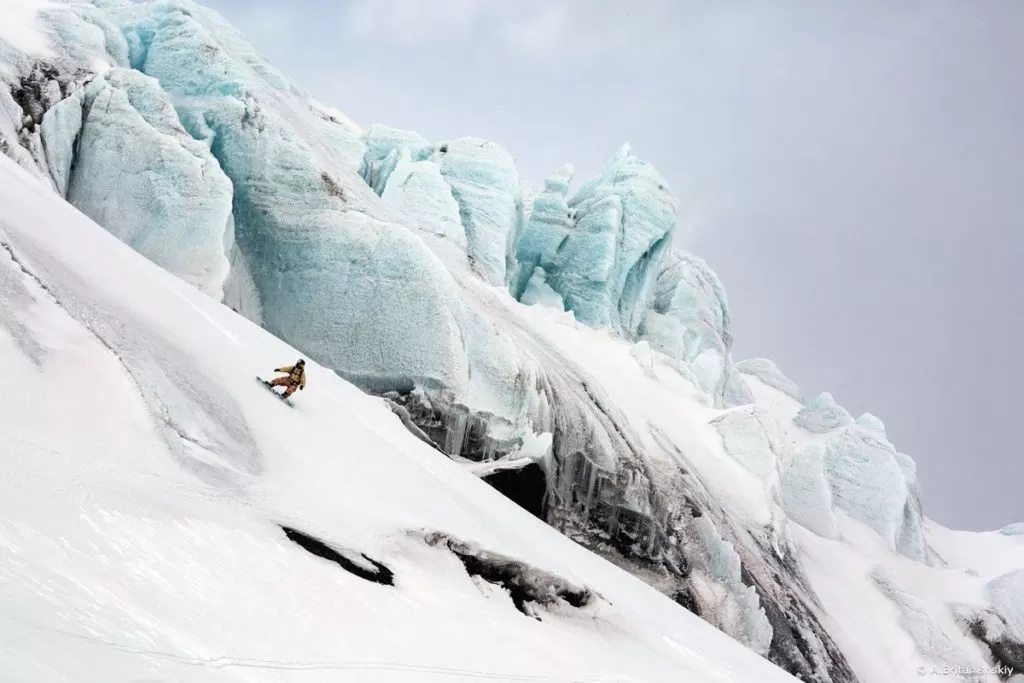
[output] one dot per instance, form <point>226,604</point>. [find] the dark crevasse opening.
<point>527,487</point>
<point>375,572</point>
<point>452,429</point>
<point>530,588</point>
<point>1007,653</point>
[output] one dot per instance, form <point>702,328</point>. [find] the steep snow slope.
<point>557,344</point>
<point>145,473</point>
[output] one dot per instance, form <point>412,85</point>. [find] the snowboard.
<point>272,390</point>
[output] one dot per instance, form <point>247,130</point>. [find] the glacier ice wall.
<point>172,204</point>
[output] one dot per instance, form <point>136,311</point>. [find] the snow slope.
<point>145,473</point>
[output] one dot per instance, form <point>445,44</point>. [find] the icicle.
<point>455,436</point>
<point>591,487</point>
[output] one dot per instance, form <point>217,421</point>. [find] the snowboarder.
<point>294,379</point>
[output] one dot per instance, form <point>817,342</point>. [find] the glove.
<point>302,388</point>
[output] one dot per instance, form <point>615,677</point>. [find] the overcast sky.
<point>854,172</point>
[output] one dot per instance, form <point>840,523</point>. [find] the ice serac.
<point>606,266</point>
<point>823,415</point>
<point>911,541</point>
<point>867,481</point>
<point>417,189</point>
<point>485,182</point>
<point>334,272</point>
<point>872,424</point>
<point>384,145</point>
<point>172,204</point>
<point>768,372</point>
<point>548,223</point>
<point>806,493</point>
<point>751,437</point>
<point>688,319</point>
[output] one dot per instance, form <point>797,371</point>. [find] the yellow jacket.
<point>295,374</point>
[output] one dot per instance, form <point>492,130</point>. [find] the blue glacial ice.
<point>310,230</point>
<point>867,481</point>
<point>538,291</point>
<point>688,319</point>
<point>823,415</point>
<point>485,182</point>
<point>477,177</point>
<point>172,204</point>
<point>602,247</point>
<point>750,436</point>
<point>719,580</point>
<point>548,224</point>
<point>806,493</point>
<point>911,541</point>
<point>329,224</point>
<point>419,191</point>
<point>384,145</point>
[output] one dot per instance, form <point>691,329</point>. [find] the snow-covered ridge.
<point>555,343</point>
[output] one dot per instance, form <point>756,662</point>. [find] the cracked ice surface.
<point>823,415</point>
<point>171,204</point>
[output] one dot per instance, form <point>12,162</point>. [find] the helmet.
<point>301,362</point>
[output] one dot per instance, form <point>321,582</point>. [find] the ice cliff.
<point>433,275</point>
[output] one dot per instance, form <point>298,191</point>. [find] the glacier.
<point>558,346</point>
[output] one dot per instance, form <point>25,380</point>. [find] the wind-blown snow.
<point>20,27</point>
